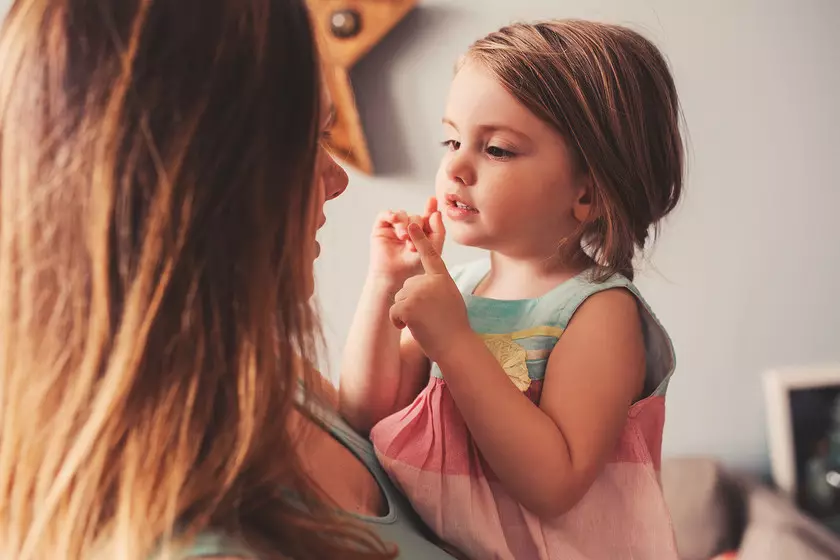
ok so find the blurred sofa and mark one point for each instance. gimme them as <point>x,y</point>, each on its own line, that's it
<point>715,510</point>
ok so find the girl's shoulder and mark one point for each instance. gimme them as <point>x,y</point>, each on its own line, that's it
<point>659,348</point>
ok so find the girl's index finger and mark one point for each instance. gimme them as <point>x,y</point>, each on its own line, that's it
<point>431,206</point>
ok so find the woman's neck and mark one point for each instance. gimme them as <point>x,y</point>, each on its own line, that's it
<point>515,278</point>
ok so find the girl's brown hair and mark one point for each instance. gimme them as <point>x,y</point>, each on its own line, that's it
<point>609,92</point>
<point>156,219</point>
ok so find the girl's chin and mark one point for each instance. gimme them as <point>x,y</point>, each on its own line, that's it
<point>463,236</point>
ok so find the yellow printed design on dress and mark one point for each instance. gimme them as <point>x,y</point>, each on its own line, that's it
<point>511,356</point>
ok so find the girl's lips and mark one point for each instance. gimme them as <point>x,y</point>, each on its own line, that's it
<point>455,201</point>
<point>458,211</point>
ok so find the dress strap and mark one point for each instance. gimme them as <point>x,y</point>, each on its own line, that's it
<point>468,276</point>
<point>215,545</point>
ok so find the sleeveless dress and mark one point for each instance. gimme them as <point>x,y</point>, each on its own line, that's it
<point>400,526</point>
<point>428,452</point>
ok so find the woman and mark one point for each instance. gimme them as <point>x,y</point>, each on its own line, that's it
<point>161,183</point>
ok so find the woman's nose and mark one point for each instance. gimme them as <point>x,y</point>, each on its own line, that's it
<point>335,180</point>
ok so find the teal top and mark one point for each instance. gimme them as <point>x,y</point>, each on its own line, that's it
<point>400,526</point>
<point>522,332</point>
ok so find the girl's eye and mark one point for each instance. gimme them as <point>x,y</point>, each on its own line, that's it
<point>499,153</point>
<point>326,134</point>
<point>451,144</point>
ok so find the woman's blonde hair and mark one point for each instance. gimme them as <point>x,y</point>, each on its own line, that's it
<point>609,92</point>
<point>156,213</point>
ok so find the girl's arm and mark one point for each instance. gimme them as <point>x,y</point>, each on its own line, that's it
<point>548,457</point>
<point>382,371</point>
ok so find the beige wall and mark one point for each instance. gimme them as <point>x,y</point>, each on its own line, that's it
<point>746,274</point>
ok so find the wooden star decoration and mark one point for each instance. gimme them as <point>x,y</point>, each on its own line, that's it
<point>349,29</point>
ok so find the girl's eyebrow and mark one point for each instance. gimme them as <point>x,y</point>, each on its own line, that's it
<point>492,127</point>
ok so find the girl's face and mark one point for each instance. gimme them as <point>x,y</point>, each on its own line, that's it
<point>507,182</point>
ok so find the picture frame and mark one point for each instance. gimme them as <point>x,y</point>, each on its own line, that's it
<point>803,433</point>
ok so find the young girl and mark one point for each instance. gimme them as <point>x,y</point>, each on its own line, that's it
<point>537,433</point>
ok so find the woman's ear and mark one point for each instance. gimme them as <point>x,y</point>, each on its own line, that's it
<point>582,208</point>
